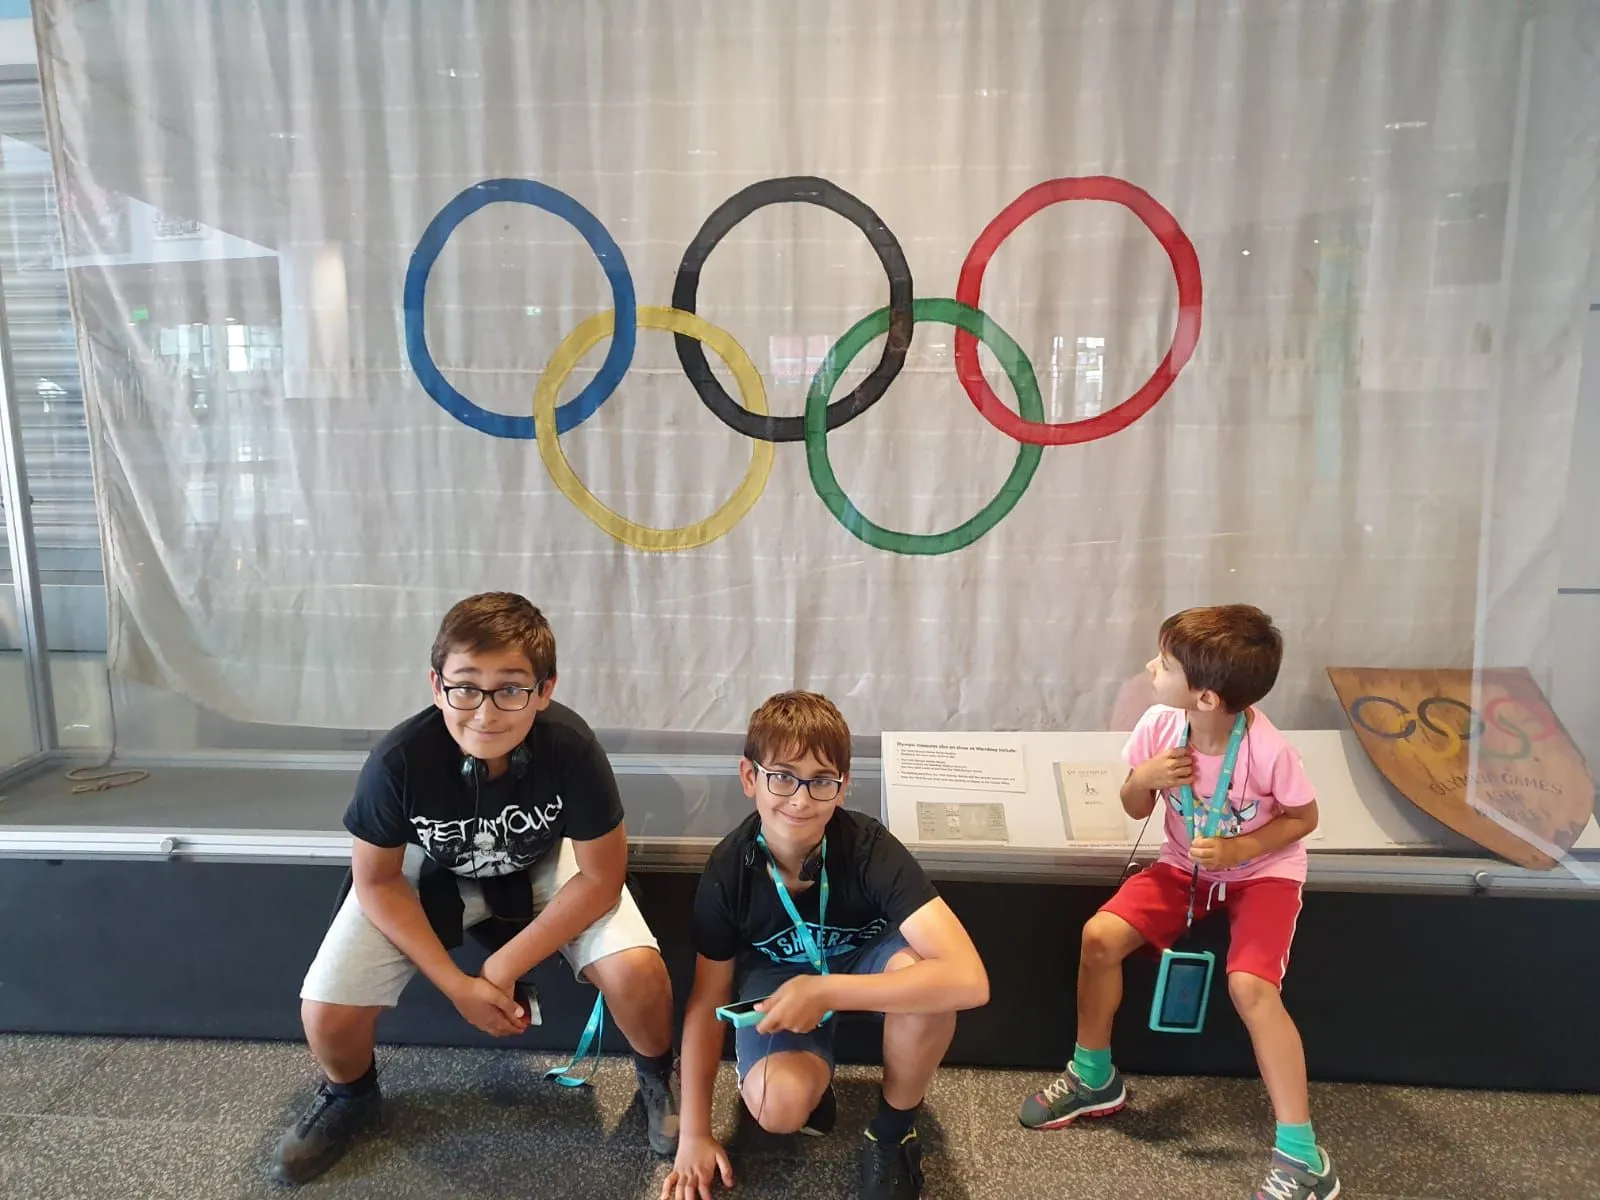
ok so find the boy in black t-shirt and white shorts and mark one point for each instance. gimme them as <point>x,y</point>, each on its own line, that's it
<point>495,802</point>
<point>812,909</point>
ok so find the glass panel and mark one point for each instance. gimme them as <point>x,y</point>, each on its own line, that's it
<point>1375,419</point>
<point>18,735</point>
<point>55,434</point>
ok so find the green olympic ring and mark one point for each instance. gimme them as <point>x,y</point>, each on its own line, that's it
<point>1024,382</point>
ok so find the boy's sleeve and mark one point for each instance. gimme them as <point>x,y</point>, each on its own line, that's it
<point>895,882</point>
<point>1291,786</point>
<point>714,931</point>
<point>1142,743</point>
<point>377,812</point>
<point>588,787</point>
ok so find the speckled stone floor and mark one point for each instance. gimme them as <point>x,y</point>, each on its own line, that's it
<point>126,1119</point>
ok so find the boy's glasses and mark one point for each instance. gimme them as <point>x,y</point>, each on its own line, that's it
<point>466,698</point>
<point>783,783</point>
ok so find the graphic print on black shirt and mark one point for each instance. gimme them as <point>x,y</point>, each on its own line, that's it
<point>411,791</point>
<point>873,885</point>
<point>512,839</point>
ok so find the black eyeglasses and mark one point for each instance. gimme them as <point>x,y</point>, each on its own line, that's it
<point>466,698</point>
<point>785,783</point>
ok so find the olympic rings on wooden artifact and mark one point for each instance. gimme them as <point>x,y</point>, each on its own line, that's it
<point>748,415</point>
<point>1400,724</point>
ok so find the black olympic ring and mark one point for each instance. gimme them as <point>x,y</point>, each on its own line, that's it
<point>1362,702</point>
<point>804,189</point>
<point>1423,716</point>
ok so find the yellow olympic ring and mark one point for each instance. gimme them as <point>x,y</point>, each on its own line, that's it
<point>645,537</point>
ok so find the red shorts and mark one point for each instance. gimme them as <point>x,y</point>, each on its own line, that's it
<point>1261,915</point>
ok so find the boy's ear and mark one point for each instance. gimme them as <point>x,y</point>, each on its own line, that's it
<point>748,777</point>
<point>1209,701</point>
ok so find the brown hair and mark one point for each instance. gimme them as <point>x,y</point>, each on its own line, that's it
<point>792,724</point>
<point>1233,650</point>
<point>497,621</point>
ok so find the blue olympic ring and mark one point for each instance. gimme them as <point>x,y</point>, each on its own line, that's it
<point>557,203</point>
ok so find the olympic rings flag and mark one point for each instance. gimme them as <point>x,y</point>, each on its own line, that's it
<point>822,344</point>
<point>823,412</point>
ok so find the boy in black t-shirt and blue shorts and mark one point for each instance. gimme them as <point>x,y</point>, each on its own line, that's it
<point>813,910</point>
<point>495,802</point>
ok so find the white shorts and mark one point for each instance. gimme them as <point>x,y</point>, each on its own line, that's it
<point>357,965</point>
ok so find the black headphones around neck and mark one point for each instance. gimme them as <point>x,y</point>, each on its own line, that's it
<point>475,770</point>
<point>810,870</point>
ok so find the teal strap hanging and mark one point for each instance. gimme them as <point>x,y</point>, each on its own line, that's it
<point>1210,820</point>
<point>588,1046</point>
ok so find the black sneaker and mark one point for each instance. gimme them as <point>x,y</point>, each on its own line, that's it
<point>324,1132</point>
<point>890,1172</point>
<point>660,1112</point>
<point>823,1116</point>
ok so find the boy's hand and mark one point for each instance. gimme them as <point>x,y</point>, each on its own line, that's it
<point>796,1007</point>
<point>1170,769</point>
<point>1217,854</point>
<point>488,1008</point>
<point>700,1160</point>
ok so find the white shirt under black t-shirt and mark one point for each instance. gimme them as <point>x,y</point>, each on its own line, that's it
<point>412,791</point>
<point>873,885</point>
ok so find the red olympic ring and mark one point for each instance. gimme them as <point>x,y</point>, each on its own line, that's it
<point>1492,709</point>
<point>1185,266</point>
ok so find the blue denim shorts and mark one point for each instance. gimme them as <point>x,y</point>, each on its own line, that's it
<point>760,982</point>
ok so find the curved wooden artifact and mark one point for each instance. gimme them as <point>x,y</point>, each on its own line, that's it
<point>1498,768</point>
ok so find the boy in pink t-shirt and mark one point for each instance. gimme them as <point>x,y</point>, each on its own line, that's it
<point>1213,665</point>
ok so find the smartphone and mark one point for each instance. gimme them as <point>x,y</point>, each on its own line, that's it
<point>1183,989</point>
<point>524,994</point>
<point>741,1013</point>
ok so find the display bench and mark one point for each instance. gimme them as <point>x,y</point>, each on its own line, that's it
<point>190,904</point>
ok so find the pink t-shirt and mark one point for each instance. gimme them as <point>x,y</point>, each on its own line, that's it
<point>1267,778</point>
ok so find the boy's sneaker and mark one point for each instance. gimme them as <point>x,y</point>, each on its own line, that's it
<point>323,1134</point>
<point>1289,1179</point>
<point>823,1116</point>
<point>660,1112</point>
<point>1068,1098</point>
<point>890,1171</point>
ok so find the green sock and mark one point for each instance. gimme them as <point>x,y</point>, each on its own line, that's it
<point>1300,1144</point>
<point>1093,1066</point>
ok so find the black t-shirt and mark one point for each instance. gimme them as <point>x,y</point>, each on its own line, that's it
<point>873,885</point>
<point>411,790</point>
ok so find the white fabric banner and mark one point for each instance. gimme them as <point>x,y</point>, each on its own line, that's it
<point>1294,292</point>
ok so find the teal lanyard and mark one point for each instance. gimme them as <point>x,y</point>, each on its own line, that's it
<point>801,929</point>
<point>593,1032</point>
<point>1219,798</point>
<point>1217,806</point>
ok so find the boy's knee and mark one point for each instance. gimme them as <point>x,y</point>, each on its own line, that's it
<point>780,1104</point>
<point>639,970</point>
<point>1104,941</point>
<point>1252,994</point>
<point>334,1023</point>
